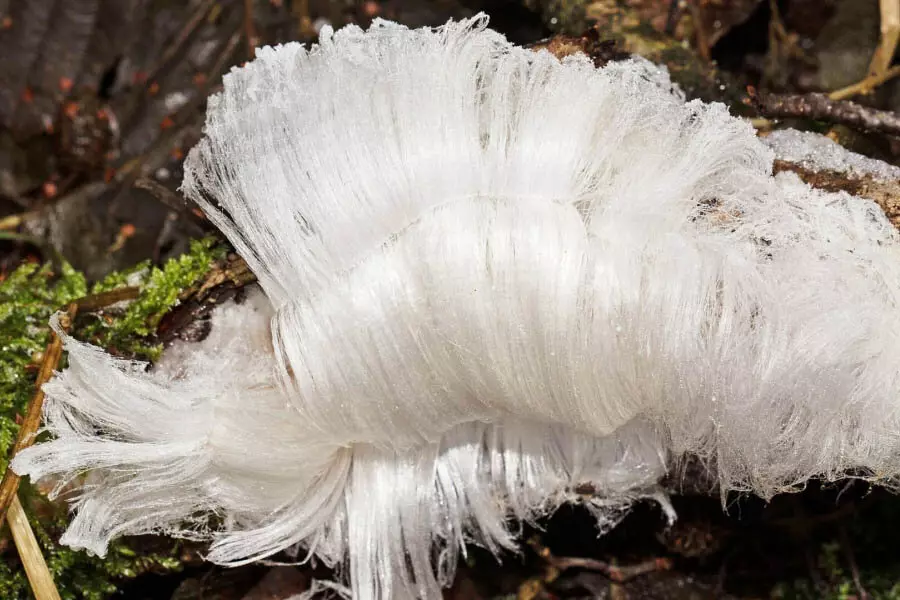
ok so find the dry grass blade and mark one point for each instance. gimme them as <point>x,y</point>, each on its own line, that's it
<point>250,29</point>
<point>32,420</point>
<point>30,553</point>
<point>39,576</point>
<point>866,85</point>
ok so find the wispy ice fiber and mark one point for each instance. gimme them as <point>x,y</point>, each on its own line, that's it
<point>489,276</point>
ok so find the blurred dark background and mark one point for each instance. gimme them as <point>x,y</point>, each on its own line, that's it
<point>100,99</point>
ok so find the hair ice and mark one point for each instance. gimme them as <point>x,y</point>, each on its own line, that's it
<point>489,276</point>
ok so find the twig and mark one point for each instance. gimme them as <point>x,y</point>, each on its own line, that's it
<point>866,85</point>
<point>32,420</point>
<point>672,17</point>
<point>613,572</point>
<point>820,107</point>
<point>703,47</point>
<point>173,49</point>
<point>50,253</point>
<point>300,9</point>
<point>619,574</point>
<point>249,29</point>
<point>816,577</point>
<point>132,168</point>
<point>97,301</point>
<point>170,200</point>
<point>803,523</point>
<point>39,576</point>
<point>36,570</point>
<point>17,200</point>
<point>165,196</point>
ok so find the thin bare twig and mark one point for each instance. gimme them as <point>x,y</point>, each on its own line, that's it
<point>250,29</point>
<point>866,85</point>
<point>619,574</point>
<point>164,195</point>
<point>703,45</point>
<point>884,193</point>
<point>39,576</point>
<point>613,572</point>
<point>672,17</point>
<point>820,107</point>
<point>32,419</point>
<point>168,198</point>
<point>95,302</point>
<point>174,49</point>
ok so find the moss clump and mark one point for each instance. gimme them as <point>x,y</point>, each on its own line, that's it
<point>28,297</point>
<point>129,331</point>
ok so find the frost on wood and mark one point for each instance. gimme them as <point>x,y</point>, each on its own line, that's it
<point>819,153</point>
<point>828,166</point>
<point>490,277</point>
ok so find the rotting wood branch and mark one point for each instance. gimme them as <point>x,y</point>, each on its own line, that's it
<point>820,107</point>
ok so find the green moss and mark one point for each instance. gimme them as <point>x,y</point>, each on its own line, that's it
<point>128,331</point>
<point>162,288</point>
<point>28,297</point>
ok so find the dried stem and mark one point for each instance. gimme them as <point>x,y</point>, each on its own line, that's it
<point>703,46</point>
<point>619,574</point>
<point>616,573</point>
<point>820,107</point>
<point>132,170</point>
<point>32,420</point>
<point>250,29</point>
<point>884,193</point>
<point>175,48</point>
<point>171,200</point>
<point>10,508</point>
<point>865,86</point>
<point>39,576</point>
<point>672,17</point>
<point>104,299</point>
